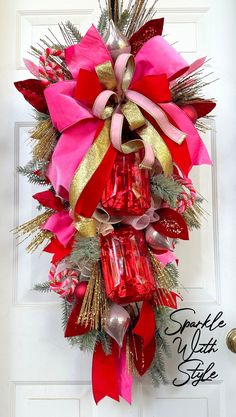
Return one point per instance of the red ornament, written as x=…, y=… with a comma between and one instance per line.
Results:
x=171, y=224
x=33, y=92
x=128, y=189
x=80, y=291
x=126, y=266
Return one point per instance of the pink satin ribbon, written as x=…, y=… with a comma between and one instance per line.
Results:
x=61, y=225
x=125, y=378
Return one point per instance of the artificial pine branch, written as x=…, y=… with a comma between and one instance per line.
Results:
x=192, y=215
x=31, y=170
x=172, y=275
x=166, y=188
x=43, y=287
x=157, y=368
x=66, y=309
x=105, y=340
x=103, y=22
x=123, y=21
x=86, y=250
x=73, y=32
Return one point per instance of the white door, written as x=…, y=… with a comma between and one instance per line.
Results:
x=40, y=375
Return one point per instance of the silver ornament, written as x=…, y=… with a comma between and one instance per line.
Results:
x=117, y=323
x=115, y=41
x=157, y=241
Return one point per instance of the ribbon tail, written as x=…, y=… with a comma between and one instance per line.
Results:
x=132, y=145
x=151, y=137
x=105, y=373
x=91, y=176
x=125, y=378
x=146, y=324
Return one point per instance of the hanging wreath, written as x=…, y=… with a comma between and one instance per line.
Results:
x=116, y=135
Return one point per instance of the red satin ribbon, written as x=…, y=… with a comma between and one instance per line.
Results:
x=142, y=340
x=105, y=373
x=180, y=153
x=72, y=327
x=143, y=355
x=146, y=324
x=155, y=87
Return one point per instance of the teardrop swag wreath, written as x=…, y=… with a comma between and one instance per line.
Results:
x=116, y=135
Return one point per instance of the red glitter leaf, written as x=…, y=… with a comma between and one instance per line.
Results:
x=149, y=30
x=171, y=224
x=33, y=92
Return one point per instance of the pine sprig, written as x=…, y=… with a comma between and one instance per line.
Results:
x=43, y=287
x=73, y=32
x=193, y=215
x=166, y=188
x=172, y=274
x=157, y=368
x=103, y=22
x=105, y=339
x=30, y=169
x=85, y=250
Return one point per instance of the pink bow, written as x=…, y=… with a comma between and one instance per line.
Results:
x=78, y=124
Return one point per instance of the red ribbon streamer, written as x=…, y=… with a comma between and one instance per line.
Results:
x=146, y=324
x=105, y=373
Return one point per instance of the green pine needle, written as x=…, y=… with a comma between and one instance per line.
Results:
x=166, y=188
x=73, y=32
x=192, y=215
x=172, y=275
x=42, y=287
x=29, y=171
x=103, y=22
x=85, y=250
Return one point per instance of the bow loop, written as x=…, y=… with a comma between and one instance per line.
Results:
x=124, y=71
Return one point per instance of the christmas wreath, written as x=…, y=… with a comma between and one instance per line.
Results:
x=116, y=135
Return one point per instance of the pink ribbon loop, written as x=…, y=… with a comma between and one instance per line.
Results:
x=101, y=103
x=158, y=114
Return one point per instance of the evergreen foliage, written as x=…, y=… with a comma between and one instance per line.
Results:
x=167, y=189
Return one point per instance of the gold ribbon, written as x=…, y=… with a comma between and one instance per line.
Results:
x=84, y=173
x=106, y=75
x=85, y=226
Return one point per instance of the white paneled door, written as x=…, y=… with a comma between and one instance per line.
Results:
x=40, y=375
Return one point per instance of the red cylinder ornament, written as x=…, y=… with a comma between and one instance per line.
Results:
x=126, y=266
x=128, y=189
